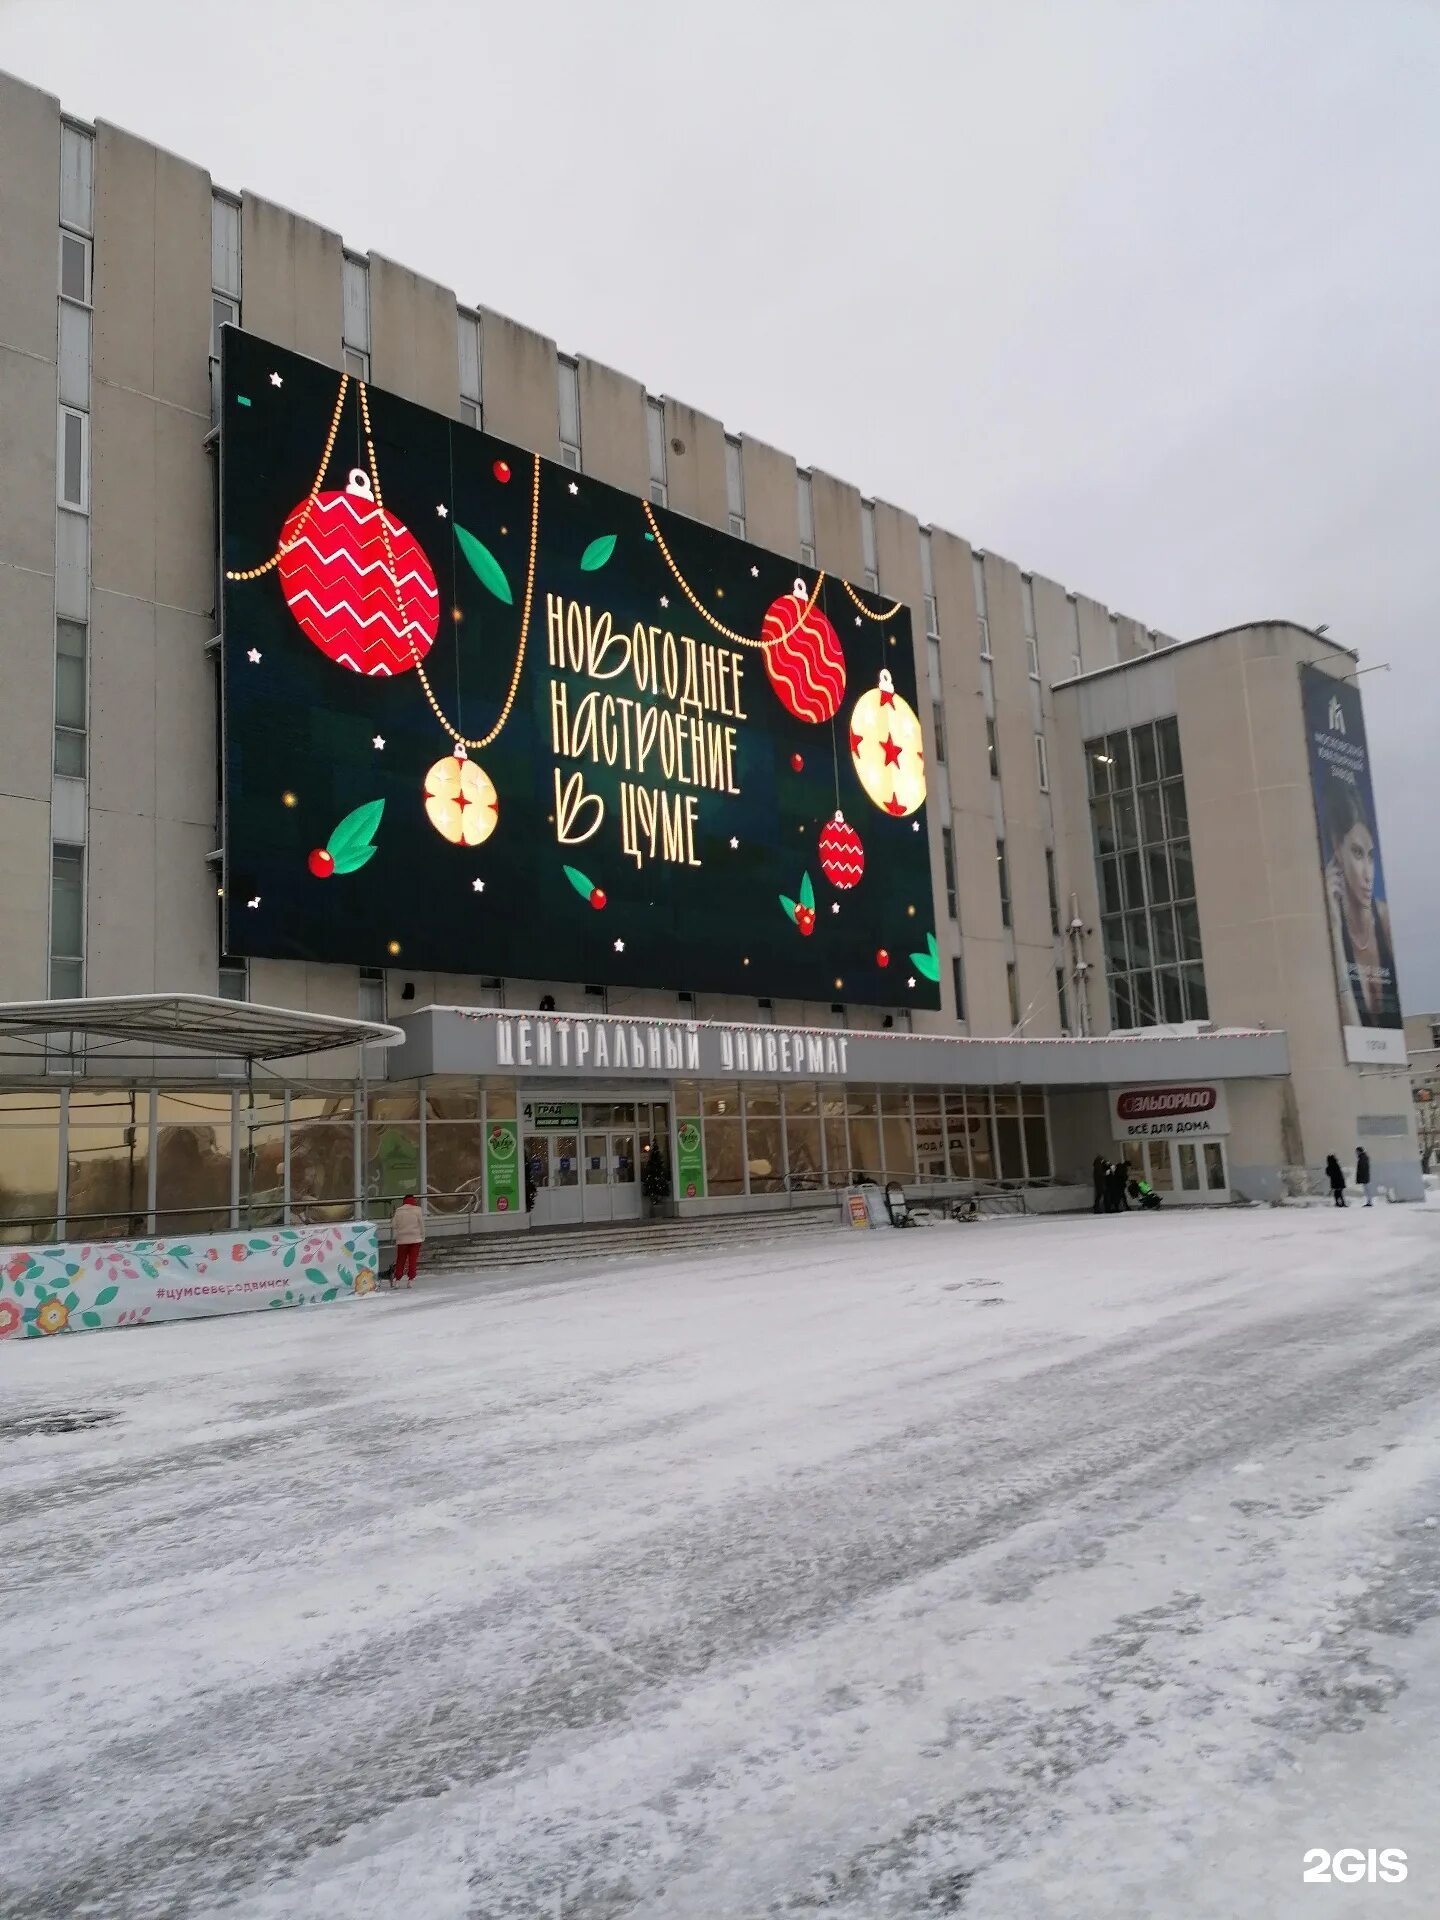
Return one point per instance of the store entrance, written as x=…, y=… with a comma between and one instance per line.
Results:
x=584, y=1160
x=1183, y=1172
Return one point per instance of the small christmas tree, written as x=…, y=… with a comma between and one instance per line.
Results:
x=655, y=1177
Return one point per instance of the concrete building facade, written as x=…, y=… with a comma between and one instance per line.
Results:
x=122, y=263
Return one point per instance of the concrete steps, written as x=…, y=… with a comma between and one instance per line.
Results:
x=630, y=1240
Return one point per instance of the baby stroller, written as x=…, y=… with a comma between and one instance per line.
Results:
x=1144, y=1195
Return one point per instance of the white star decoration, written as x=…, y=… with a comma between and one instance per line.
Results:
x=911, y=981
x=276, y=380
x=619, y=946
x=574, y=488
x=857, y=619
x=664, y=599
x=754, y=573
x=253, y=656
x=915, y=826
x=378, y=743
x=733, y=841
x=478, y=885
x=834, y=906
x=253, y=903
x=443, y=510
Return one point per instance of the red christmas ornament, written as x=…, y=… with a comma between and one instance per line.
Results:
x=797, y=761
x=882, y=958
x=501, y=471
x=803, y=656
x=358, y=582
x=805, y=920
x=842, y=857
x=597, y=898
x=321, y=864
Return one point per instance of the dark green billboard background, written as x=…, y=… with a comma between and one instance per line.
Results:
x=662, y=721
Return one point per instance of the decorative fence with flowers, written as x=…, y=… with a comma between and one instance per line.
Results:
x=75, y=1287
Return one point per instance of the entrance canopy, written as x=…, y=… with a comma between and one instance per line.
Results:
x=199, y=1023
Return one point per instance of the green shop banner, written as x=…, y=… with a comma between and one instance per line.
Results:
x=75, y=1287
x=502, y=1167
x=689, y=1161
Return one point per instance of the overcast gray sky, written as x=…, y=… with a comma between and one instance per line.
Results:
x=1144, y=296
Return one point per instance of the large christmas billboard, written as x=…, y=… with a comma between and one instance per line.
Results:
x=484, y=714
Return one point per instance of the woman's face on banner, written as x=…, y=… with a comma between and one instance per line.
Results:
x=1357, y=864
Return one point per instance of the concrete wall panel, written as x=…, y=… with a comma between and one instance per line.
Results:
x=292, y=280
x=772, y=511
x=696, y=476
x=27, y=471
x=522, y=397
x=29, y=218
x=414, y=340
x=25, y=889
x=612, y=428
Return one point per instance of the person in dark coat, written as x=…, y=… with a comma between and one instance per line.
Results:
x=1362, y=1175
x=1115, y=1201
x=1336, y=1178
x=1099, y=1170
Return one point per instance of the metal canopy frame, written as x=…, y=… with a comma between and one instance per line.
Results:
x=196, y=1023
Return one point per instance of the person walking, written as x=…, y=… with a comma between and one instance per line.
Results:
x=408, y=1227
x=1336, y=1178
x=1362, y=1175
x=1098, y=1172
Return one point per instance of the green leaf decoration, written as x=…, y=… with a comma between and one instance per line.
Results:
x=314, y=1275
x=19, y=1288
x=788, y=905
x=289, y=1259
x=72, y=1269
x=597, y=553
x=486, y=568
x=105, y=1296
x=349, y=846
x=330, y=1293
x=91, y=1319
x=928, y=962
x=72, y=1300
x=807, y=892
x=258, y=1246
x=578, y=881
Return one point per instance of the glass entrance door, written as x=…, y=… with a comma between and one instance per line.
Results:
x=583, y=1161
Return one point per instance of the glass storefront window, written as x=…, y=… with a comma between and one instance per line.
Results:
x=982, y=1155
x=107, y=1182
x=765, y=1149
x=762, y=1097
x=500, y=1099
x=1037, y=1147
x=837, y=1143
x=859, y=1100
x=29, y=1167
x=262, y=1161
x=802, y=1145
x=322, y=1157
x=1189, y=1167
x=724, y=1173
x=898, y=1138
x=801, y=1097
x=453, y=1100
x=397, y=1103
x=1214, y=1166
x=392, y=1160
x=192, y=1162
x=454, y=1165
x=866, y=1162
x=720, y=1098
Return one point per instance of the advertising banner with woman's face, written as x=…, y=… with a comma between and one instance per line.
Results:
x=1359, y=915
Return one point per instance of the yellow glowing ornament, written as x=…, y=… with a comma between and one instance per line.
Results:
x=888, y=748
x=460, y=800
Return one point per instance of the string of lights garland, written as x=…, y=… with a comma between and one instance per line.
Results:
x=460, y=739
x=254, y=573
x=739, y=639
x=889, y=613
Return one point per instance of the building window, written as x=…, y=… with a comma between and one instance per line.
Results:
x=947, y=849
x=70, y=698
x=734, y=488
x=468, y=344
x=73, y=461
x=957, y=981
x=74, y=350
x=655, y=444
x=1032, y=648
x=75, y=266
x=992, y=747
x=234, y=978
x=1061, y=1000
x=568, y=376
x=225, y=245
x=1042, y=763
x=356, y=336
x=982, y=604
x=372, y=994
x=1052, y=888
x=67, y=923
x=1002, y=868
x=77, y=178
x=805, y=494
x=1149, y=916
x=938, y=712
x=1012, y=988
x=867, y=545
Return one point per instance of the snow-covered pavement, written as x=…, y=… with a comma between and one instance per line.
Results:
x=1082, y=1567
